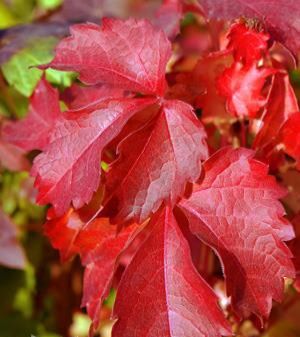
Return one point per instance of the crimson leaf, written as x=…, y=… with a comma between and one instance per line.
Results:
x=282, y=103
x=206, y=73
x=156, y=162
x=130, y=54
x=33, y=131
x=247, y=44
x=290, y=136
x=279, y=16
x=12, y=157
x=87, y=98
x=168, y=17
x=242, y=86
x=63, y=231
x=236, y=212
x=68, y=171
x=100, y=245
x=161, y=293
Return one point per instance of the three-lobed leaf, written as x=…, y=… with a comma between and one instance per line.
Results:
x=131, y=55
x=157, y=161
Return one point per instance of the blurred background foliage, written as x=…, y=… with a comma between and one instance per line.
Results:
x=43, y=299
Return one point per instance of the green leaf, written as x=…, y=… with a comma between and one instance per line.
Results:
x=12, y=103
x=18, y=69
x=59, y=78
x=49, y=4
x=22, y=9
x=7, y=19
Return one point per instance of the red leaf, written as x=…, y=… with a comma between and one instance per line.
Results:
x=279, y=16
x=12, y=157
x=79, y=97
x=236, y=211
x=168, y=17
x=242, y=86
x=11, y=252
x=206, y=73
x=247, y=44
x=282, y=102
x=62, y=233
x=100, y=245
x=130, y=54
x=290, y=137
x=33, y=131
x=68, y=171
x=156, y=162
x=161, y=293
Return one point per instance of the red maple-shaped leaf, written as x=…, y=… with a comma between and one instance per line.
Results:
x=131, y=55
x=290, y=137
x=236, y=211
x=161, y=293
x=68, y=171
x=248, y=45
x=242, y=86
x=279, y=16
x=34, y=130
x=157, y=161
x=281, y=104
x=100, y=245
x=11, y=252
